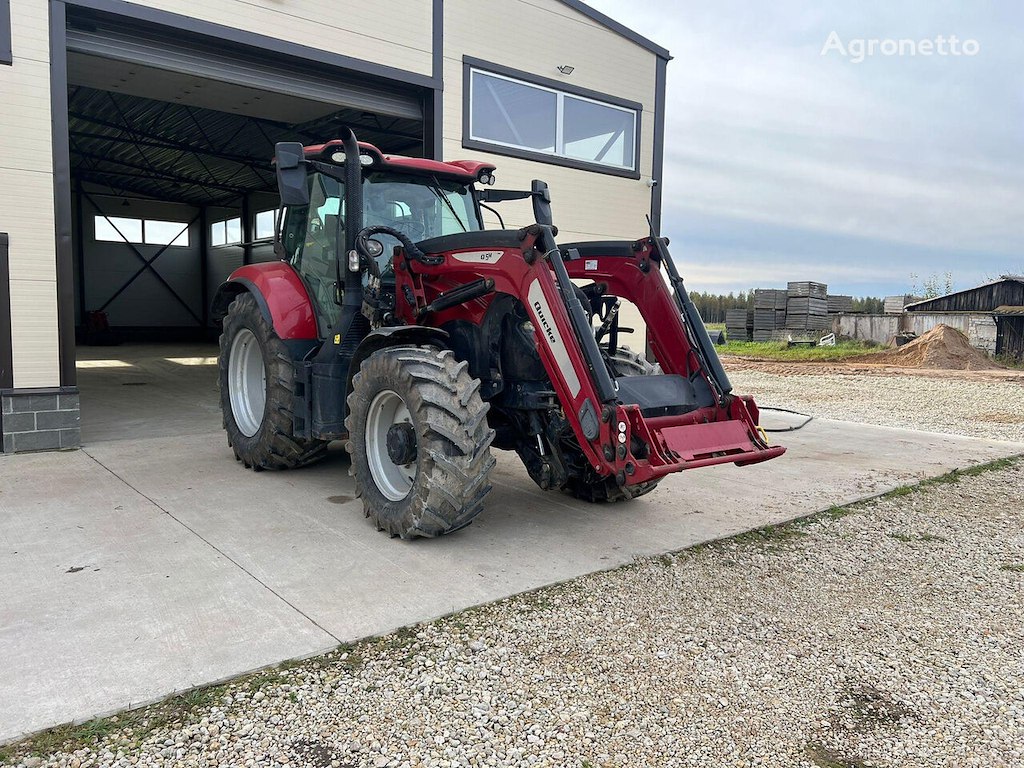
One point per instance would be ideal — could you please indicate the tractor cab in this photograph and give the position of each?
(421, 199)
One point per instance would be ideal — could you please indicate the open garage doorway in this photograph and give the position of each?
(172, 188)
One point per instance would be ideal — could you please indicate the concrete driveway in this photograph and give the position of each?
(136, 568)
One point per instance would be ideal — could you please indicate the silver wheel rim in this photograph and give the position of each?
(247, 382)
(394, 481)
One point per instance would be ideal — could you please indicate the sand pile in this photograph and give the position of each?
(942, 347)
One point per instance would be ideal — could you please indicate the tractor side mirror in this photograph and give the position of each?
(541, 202)
(290, 162)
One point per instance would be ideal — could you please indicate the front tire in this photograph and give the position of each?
(257, 384)
(419, 441)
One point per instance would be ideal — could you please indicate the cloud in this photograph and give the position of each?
(920, 160)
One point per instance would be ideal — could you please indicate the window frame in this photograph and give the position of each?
(143, 221)
(228, 243)
(186, 231)
(256, 238)
(471, 65)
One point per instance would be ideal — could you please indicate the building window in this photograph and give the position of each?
(117, 229)
(121, 229)
(533, 118)
(165, 233)
(265, 224)
(228, 232)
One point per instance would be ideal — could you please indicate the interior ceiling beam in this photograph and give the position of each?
(119, 189)
(147, 174)
(177, 146)
(121, 182)
(128, 136)
(206, 138)
(127, 127)
(168, 174)
(127, 185)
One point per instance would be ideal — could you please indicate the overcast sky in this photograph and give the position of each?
(785, 164)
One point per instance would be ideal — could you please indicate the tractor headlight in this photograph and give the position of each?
(364, 159)
(353, 261)
(486, 177)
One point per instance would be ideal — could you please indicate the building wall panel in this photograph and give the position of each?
(26, 197)
(30, 30)
(34, 332)
(145, 302)
(395, 33)
(26, 203)
(587, 205)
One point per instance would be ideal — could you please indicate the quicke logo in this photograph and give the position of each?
(544, 322)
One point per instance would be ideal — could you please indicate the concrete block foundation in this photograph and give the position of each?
(39, 419)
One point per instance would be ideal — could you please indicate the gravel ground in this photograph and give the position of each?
(889, 636)
(988, 409)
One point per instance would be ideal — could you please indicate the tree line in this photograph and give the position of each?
(712, 306)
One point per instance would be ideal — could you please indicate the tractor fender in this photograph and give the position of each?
(393, 336)
(279, 293)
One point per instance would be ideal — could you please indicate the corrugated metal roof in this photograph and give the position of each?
(1005, 311)
(183, 153)
(1003, 279)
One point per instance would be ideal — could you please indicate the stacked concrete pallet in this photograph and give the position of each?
(894, 304)
(807, 307)
(838, 304)
(737, 327)
(807, 290)
(769, 312)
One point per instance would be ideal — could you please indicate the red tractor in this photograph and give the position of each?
(394, 321)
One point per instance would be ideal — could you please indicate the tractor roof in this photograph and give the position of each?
(461, 170)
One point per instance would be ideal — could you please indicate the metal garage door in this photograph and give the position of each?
(238, 67)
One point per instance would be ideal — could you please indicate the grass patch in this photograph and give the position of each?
(261, 680)
(778, 350)
(952, 477)
(133, 725)
(780, 533)
(1010, 362)
(823, 757)
(1012, 567)
(346, 656)
(908, 538)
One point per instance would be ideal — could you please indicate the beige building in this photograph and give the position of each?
(138, 134)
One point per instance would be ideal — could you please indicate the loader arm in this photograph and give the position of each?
(636, 429)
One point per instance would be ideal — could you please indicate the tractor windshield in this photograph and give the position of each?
(420, 206)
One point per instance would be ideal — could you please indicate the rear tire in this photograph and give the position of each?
(419, 440)
(590, 487)
(257, 384)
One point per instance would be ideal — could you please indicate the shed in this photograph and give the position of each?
(1010, 337)
(1008, 290)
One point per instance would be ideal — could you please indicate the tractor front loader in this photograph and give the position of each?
(395, 322)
